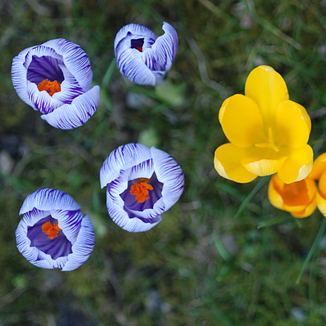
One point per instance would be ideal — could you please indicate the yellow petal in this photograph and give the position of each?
(241, 121)
(227, 163)
(321, 204)
(298, 164)
(307, 211)
(263, 161)
(292, 124)
(322, 184)
(267, 88)
(274, 191)
(319, 167)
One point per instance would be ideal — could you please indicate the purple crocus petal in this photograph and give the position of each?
(75, 59)
(168, 172)
(83, 246)
(41, 101)
(163, 51)
(129, 167)
(19, 77)
(123, 158)
(131, 65)
(143, 57)
(66, 63)
(69, 221)
(131, 224)
(41, 62)
(69, 116)
(30, 252)
(70, 240)
(134, 31)
(48, 199)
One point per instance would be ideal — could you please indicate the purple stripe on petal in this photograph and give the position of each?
(46, 199)
(83, 246)
(129, 223)
(134, 31)
(75, 59)
(66, 246)
(123, 158)
(142, 58)
(69, 116)
(131, 65)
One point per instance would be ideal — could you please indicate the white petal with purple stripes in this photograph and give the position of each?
(143, 57)
(75, 114)
(129, 164)
(73, 241)
(67, 64)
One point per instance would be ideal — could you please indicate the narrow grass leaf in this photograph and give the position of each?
(221, 250)
(313, 249)
(274, 221)
(108, 74)
(253, 192)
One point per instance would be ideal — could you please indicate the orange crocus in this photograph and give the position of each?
(301, 198)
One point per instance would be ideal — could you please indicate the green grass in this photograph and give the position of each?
(216, 258)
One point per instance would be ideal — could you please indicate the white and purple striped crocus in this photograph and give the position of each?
(55, 79)
(54, 233)
(142, 56)
(142, 183)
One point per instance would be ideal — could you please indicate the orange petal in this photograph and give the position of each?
(227, 162)
(267, 88)
(275, 188)
(241, 121)
(298, 198)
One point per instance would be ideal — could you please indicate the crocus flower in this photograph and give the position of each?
(54, 233)
(318, 173)
(298, 198)
(142, 183)
(301, 198)
(268, 133)
(55, 78)
(142, 56)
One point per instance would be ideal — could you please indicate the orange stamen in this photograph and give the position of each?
(140, 189)
(51, 230)
(139, 48)
(50, 86)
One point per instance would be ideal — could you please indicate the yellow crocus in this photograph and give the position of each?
(268, 133)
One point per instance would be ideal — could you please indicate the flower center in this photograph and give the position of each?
(51, 230)
(50, 86)
(270, 143)
(140, 189)
(295, 193)
(137, 44)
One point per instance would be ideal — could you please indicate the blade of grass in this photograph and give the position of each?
(253, 192)
(221, 250)
(108, 74)
(312, 250)
(273, 221)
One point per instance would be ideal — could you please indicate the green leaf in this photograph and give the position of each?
(313, 249)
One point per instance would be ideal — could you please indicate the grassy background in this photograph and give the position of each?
(201, 265)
